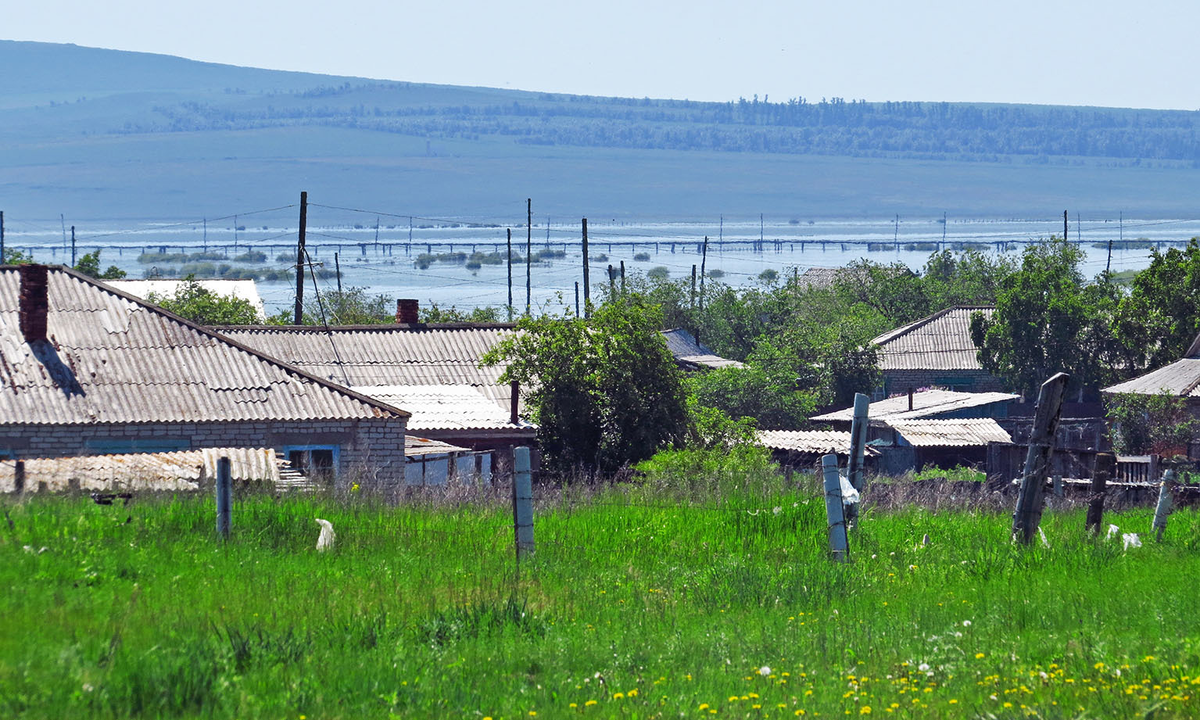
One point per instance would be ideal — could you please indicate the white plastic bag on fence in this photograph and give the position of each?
(849, 494)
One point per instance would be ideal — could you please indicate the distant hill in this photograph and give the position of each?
(104, 134)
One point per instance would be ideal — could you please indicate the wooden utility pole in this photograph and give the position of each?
(1065, 238)
(943, 230)
(72, 246)
(703, 262)
(1101, 474)
(298, 315)
(338, 269)
(576, 298)
(510, 274)
(528, 254)
(1, 237)
(587, 289)
(612, 282)
(1037, 462)
(622, 278)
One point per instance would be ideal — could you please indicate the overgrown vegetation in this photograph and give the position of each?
(634, 603)
(194, 302)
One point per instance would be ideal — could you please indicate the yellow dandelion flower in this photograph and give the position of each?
(533, 713)
(953, 701)
(703, 706)
(979, 656)
(618, 696)
(866, 710)
(589, 703)
(633, 692)
(573, 705)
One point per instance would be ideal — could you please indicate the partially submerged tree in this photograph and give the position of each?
(604, 390)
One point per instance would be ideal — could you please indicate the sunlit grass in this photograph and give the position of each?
(635, 603)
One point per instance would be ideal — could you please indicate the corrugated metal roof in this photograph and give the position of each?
(114, 358)
(1181, 378)
(445, 407)
(820, 442)
(685, 349)
(957, 432)
(941, 341)
(416, 447)
(926, 403)
(170, 472)
(243, 289)
(387, 354)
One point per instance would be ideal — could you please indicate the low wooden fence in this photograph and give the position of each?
(1005, 462)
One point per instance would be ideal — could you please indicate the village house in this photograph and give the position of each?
(1180, 379)
(89, 370)
(935, 351)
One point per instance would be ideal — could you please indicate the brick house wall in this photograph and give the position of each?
(370, 451)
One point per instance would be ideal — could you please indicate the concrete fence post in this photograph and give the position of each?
(224, 496)
(1164, 504)
(522, 502)
(838, 545)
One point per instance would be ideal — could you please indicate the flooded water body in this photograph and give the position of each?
(385, 259)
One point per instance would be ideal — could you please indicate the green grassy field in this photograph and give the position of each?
(633, 606)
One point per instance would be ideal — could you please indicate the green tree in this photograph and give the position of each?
(768, 389)
(604, 390)
(1145, 424)
(1160, 318)
(435, 314)
(1047, 320)
(200, 305)
(13, 256)
(352, 306)
(89, 265)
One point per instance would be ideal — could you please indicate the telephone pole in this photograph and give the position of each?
(1065, 238)
(587, 289)
(298, 315)
(528, 254)
(510, 274)
(72, 246)
(1, 237)
(703, 262)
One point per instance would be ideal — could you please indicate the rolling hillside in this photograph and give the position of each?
(104, 134)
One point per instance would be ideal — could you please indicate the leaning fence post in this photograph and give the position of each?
(838, 546)
(1037, 461)
(858, 441)
(1105, 462)
(1164, 504)
(224, 496)
(522, 502)
(1057, 484)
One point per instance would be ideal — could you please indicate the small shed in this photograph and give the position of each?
(432, 462)
(690, 355)
(936, 351)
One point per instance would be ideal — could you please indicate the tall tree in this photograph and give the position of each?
(1160, 318)
(604, 390)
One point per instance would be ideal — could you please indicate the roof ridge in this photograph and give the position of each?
(286, 367)
(380, 327)
(903, 330)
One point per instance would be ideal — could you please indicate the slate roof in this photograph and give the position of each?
(388, 355)
(956, 432)
(418, 447)
(926, 403)
(446, 407)
(941, 341)
(1181, 378)
(166, 472)
(820, 442)
(688, 352)
(112, 358)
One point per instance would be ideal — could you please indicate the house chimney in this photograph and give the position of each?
(33, 302)
(406, 311)
(514, 402)
(910, 398)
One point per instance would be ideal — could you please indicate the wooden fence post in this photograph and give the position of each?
(1101, 474)
(19, 477)
(838, 546)
(1041, 449)
(522, 502)
(224, 497)
(854, 464)
(1057, 485)
(1164, 504)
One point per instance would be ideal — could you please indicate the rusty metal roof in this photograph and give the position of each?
(941, 341)
(445, 407)
(387, 355)
(112, 358)
(926, 403)
(687, 351)
(168, 472)
(819, 442)
(957, 432)
(1181, 378)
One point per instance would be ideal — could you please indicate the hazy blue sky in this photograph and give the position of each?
(1097, 52)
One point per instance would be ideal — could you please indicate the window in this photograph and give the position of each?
(314, 460)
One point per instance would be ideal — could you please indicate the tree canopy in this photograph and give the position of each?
(194, 302)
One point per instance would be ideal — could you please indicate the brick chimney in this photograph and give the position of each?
(406, 311)
(33, 302)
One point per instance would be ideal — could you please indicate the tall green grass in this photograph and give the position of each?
(638, 602)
